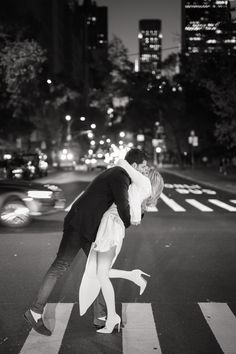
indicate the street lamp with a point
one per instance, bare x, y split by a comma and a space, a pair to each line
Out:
69, 121
93, 126
82, 119
193, 141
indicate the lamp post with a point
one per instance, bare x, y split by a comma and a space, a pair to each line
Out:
193, 141
69, 122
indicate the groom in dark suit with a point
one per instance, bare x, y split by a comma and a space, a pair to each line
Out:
80, 229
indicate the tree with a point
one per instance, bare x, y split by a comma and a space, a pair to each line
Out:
224, 105
29, 102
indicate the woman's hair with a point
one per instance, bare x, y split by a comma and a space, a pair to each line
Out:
157, 184
135, 155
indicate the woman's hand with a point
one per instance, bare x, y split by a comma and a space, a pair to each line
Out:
135, 223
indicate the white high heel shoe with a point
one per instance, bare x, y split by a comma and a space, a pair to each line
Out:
139, 280
110, 325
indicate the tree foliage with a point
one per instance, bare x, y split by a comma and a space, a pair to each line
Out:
224, 104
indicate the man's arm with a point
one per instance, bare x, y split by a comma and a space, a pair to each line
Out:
119, 185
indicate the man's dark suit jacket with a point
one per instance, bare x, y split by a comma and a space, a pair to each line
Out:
111, 186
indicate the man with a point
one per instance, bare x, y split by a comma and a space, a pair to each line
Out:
80, 229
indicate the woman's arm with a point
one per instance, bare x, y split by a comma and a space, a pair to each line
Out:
136, 176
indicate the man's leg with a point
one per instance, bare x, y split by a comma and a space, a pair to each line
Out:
68, 249
56, 270
99, 305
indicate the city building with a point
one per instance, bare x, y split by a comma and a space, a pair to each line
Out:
150, 46
94, 28
207, 28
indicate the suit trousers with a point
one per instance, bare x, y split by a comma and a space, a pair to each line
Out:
70, 245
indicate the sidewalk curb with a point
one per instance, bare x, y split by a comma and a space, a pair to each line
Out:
208, 184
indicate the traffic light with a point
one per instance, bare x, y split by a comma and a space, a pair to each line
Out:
232, 10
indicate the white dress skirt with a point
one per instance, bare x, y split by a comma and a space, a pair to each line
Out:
111, 233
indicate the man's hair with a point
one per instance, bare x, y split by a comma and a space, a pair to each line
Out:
135, 155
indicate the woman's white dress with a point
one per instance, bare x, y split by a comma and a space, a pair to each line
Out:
111, 233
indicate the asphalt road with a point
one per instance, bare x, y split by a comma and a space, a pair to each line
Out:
187, 246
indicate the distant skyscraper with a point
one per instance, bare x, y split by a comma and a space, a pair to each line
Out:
206, 27
150, 46
95, 38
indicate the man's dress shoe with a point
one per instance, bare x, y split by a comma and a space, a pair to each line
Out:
37, 326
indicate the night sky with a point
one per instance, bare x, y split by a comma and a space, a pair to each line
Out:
123, 17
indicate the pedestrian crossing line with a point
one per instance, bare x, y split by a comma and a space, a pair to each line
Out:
69, 206
198, 205
233, 201
171, 203
222, 205
151, 209
38, 344
222, 323
139, 334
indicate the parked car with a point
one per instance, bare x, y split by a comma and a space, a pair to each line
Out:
20, 201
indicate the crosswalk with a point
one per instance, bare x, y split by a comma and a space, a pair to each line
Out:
208, 205
141, 330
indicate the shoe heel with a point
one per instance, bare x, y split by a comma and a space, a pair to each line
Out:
118, 327
148, 275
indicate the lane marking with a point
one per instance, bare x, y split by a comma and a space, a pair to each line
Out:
198, 205
233, 201
171, 203
69, 206
222, 204
151, 209
58, 315
139, 334
222, 323
182, 190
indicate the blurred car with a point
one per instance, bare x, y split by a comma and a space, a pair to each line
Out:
66, 159
96, 162
25, 166
20, 201
38, 162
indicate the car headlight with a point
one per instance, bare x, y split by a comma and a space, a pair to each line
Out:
40, 194
70, 156
17, 170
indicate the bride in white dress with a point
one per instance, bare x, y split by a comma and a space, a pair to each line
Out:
108, 243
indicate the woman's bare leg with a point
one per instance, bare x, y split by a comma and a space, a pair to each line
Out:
104, 262
135, 275
123, 274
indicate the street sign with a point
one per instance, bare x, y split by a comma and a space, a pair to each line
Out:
155, 142
195, 141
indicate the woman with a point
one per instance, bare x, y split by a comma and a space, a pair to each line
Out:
107, 246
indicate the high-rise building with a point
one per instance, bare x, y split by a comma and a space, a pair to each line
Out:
150, 46
93, 20
207, 28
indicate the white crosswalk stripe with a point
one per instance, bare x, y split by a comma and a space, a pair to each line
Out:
233, 201
58, 316
139, 334
222, 322
171, 203
198, 205
222, 205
